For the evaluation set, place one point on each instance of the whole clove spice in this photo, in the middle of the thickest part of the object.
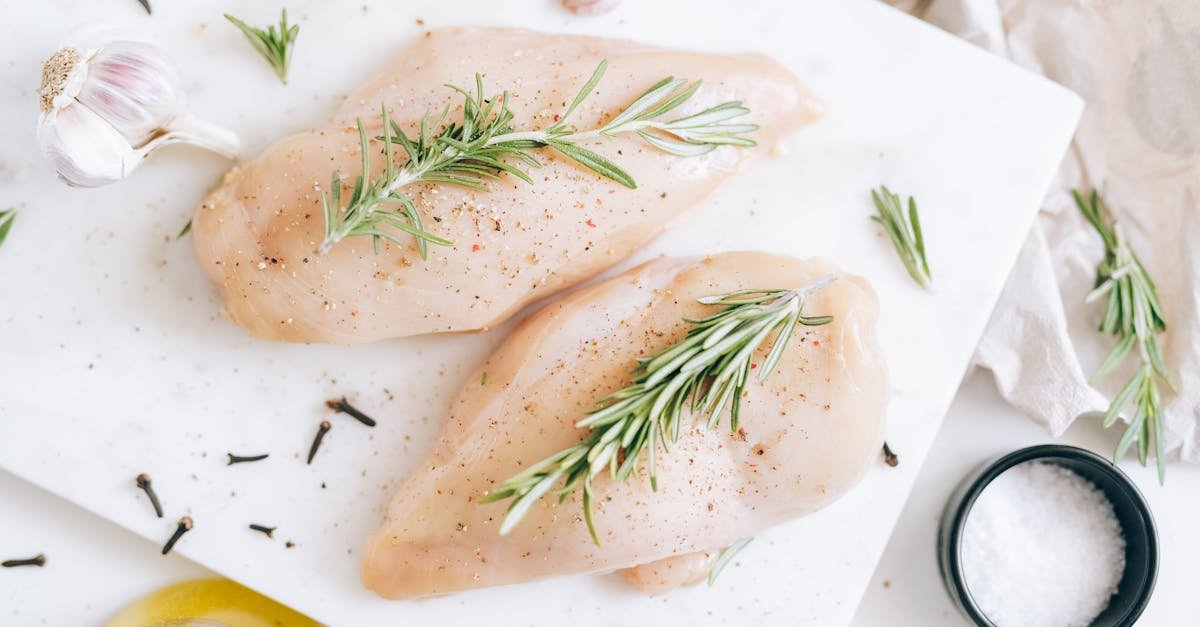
(889, 457)
(343, 406)
(185, 525)
(268, 531)
(143, 482)
(37, 560)
(241, 459)
(321, 431)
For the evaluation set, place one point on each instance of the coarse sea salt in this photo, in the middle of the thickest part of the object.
(1042, 547)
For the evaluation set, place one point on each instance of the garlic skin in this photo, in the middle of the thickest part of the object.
(86, 150)
(104, 109)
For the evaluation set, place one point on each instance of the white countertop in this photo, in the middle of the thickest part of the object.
(94, 567)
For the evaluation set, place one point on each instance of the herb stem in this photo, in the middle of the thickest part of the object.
(484, 145)
(725, 557)
(701, 375)
(1134, 316)
(274, 44)
(904, 231)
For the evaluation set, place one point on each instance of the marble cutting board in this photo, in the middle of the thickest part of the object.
(114, 360)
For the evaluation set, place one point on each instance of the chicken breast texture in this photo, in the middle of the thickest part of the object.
(256, 235)
(807, 434)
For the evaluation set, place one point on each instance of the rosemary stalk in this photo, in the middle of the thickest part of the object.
(710, 366)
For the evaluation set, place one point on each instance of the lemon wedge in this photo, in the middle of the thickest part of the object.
(208, 603)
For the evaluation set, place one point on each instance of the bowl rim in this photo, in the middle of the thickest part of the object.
(980, 479)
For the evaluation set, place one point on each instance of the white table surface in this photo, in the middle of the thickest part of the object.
(95, 567)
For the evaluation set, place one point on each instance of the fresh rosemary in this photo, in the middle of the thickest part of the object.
(905, 233)
(274, 44)
(1134, 315)
(7, 217)
(725, 557)
(484, 145)
(711, 365)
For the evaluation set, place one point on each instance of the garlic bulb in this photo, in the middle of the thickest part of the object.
(106, 108)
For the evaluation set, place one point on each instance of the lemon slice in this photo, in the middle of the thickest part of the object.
(208, 603)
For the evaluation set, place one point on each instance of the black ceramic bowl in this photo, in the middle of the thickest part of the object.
(1141, 538)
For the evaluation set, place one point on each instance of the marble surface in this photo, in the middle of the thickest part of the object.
(105, 566)
(115, 361)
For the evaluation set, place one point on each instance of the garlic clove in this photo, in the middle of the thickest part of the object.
(85, 149)
(135, 87)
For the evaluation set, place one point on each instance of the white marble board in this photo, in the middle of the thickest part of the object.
(114, 360)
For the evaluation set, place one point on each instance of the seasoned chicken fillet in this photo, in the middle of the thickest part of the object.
(808, 432)
(256, 235)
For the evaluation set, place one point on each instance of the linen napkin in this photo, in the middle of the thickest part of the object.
(1137, 64)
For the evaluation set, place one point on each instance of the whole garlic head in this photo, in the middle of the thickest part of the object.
(104, 109)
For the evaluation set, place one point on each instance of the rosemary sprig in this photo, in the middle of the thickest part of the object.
(7, 217)
(1134, 315)
(725, 557)
(905, 232)
(484, 145)
(274, 44)
(711, 365)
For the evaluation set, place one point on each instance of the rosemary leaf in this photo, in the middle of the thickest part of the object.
(187, 228)
(483, 145)
(1134, 316)
(725, 557)
(274, 44)
(7, 217)
(702, 373)
(905, 232)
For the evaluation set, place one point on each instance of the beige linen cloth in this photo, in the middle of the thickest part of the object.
(1137, 64)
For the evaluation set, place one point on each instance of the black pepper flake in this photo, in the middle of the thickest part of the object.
(889, 457)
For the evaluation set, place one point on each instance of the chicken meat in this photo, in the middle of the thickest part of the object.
(255, 236)
(807, 434)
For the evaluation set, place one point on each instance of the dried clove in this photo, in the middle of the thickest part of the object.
(38, 560)
(143, 482)
(239, 459)
(185, 525)
(269, 531)
(343, 406)
(321, 431)
(889, 457)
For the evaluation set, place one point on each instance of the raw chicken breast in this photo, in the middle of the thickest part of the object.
(256, 235)
(807, 435)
